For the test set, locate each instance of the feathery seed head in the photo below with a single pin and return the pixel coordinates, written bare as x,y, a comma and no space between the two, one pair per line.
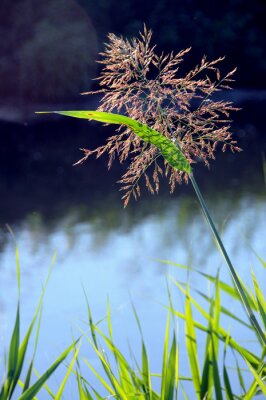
147,87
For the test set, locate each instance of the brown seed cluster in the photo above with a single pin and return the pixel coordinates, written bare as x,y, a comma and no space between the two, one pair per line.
147,87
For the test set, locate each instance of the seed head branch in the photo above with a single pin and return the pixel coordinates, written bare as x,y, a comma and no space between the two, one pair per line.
147,87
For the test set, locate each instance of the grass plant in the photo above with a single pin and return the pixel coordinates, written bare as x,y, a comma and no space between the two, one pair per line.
226,368
175,119
175,158
163,123
211,376
17,381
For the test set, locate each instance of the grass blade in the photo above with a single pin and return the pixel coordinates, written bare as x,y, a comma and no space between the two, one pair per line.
11,380
168,149
146,376
258,379
227,385
253,359
100,378
28,376
216,377
69,370
24,345
230,290
172,372
239,374
260,300
191,345
45,386
145,370
234,276
165,357
125,387
82,394
207,378
34,389
18,270
225,311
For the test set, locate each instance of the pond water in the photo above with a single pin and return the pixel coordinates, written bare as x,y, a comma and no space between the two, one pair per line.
111,252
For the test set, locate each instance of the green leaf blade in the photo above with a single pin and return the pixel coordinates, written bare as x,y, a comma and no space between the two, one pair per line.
34,389
191,344
13,355
168,149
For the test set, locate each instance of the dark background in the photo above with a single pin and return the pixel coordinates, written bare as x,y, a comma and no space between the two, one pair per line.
234,28
47,57
48,48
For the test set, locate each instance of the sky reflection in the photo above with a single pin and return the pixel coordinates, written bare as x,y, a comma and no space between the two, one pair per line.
121,264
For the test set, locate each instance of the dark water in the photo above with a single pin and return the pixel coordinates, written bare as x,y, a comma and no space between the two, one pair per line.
111,251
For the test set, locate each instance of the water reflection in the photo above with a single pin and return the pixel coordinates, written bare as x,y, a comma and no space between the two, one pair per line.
156,223
114,254
112,251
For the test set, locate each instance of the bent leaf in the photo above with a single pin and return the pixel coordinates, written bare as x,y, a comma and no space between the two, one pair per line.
168,149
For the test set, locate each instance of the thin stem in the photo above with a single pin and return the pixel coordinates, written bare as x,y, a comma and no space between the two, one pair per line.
233,273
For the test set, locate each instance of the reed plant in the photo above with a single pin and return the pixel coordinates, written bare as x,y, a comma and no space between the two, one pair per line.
171,122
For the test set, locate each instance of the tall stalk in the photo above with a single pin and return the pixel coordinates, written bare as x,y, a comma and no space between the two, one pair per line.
233,273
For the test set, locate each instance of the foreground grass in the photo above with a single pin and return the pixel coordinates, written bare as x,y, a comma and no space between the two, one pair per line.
209,379
211,376
12,386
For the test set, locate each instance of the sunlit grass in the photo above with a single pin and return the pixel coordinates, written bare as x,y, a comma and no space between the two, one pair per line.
17,381
211,377
222,368
161,121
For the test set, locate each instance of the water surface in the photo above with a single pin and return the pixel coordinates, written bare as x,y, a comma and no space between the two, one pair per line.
111,252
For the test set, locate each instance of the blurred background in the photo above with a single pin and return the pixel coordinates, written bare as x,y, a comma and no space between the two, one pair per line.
48,53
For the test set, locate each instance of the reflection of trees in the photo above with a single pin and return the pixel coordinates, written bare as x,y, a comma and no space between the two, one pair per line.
40,190
42,202
174,221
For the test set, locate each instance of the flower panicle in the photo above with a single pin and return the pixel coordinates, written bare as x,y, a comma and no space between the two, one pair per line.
147,87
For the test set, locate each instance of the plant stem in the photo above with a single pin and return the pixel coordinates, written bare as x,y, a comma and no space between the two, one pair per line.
233,273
